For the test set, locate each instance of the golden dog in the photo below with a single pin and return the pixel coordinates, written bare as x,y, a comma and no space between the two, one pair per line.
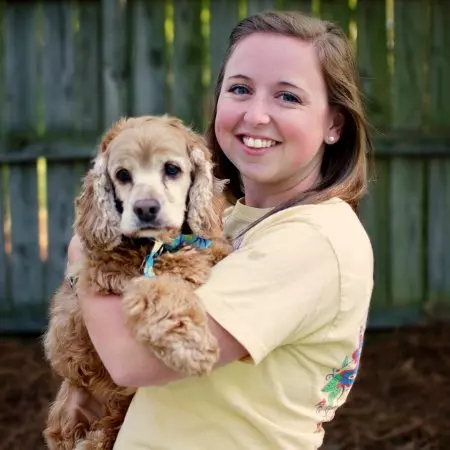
152,180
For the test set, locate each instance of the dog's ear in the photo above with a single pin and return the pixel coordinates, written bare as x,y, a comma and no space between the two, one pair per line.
206,201
97,221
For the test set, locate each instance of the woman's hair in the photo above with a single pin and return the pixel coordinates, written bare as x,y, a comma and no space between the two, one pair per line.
344,164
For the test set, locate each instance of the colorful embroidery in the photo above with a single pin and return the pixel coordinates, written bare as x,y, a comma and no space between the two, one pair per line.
339,383
159,248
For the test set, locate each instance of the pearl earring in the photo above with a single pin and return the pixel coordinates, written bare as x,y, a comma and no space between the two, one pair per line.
330,139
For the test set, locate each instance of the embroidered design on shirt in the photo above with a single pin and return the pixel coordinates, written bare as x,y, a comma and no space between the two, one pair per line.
339,383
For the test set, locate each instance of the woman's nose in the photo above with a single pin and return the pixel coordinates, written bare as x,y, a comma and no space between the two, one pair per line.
257,112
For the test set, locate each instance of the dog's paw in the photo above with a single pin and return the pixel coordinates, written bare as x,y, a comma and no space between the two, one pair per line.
95,440
189,264
165,313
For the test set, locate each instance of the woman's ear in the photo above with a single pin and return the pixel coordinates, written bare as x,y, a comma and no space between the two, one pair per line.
97,221
335,127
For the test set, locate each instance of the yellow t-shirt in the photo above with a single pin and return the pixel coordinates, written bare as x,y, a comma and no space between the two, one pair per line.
295,292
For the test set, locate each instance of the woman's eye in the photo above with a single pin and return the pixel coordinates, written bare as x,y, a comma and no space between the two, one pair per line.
239,90
289,98
124,176
171,170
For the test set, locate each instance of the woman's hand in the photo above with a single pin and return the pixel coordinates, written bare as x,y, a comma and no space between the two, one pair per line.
83,406
75,250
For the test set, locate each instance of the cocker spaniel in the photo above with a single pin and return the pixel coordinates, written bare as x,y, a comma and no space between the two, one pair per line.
150,188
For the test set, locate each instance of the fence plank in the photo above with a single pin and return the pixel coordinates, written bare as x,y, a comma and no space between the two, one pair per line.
58,66
188,56
373,61
63,182
407,199
26,267
23,56
62,42
88,116
22,73
115,60
337,11
224,16
438,231
256,6
439,171
5,296
407,232
149,58
304,6
439,78
410,50
375,217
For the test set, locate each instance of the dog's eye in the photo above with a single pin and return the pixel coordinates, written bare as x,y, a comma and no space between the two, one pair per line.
171,170
123,176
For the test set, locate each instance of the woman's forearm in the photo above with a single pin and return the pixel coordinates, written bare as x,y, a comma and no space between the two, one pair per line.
128,362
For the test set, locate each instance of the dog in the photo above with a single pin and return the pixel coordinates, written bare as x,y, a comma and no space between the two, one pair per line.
151,185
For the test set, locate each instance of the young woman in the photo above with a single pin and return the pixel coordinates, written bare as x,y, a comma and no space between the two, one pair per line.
289,305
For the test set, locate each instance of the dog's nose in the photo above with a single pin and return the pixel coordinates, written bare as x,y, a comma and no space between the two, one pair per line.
147,210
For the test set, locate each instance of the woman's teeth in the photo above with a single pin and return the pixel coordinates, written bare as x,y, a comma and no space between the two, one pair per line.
258,143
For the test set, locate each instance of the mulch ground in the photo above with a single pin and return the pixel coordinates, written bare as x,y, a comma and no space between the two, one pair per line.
401,399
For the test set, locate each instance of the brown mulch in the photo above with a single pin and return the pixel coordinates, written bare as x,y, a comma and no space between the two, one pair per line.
401,399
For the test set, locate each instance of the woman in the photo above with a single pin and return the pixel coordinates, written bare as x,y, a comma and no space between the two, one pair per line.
289,305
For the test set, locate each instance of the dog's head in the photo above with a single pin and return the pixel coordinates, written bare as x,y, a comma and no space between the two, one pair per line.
152,176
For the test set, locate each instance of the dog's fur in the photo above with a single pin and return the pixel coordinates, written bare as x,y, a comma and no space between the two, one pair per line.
162,312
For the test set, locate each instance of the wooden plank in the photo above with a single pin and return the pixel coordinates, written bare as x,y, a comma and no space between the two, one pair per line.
256,6
88,116
304,6
337,11
115,61
58,66
189,52
410,58
23,58
438,292
406,211
374,212
439,76
149,59
26,266
438,235
4,260
63,183
373,62
224,17
407,196
22,72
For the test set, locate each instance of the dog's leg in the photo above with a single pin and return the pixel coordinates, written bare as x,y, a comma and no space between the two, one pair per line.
165,313
65,425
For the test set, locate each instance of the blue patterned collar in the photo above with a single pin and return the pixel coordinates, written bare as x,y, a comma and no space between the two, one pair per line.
159,248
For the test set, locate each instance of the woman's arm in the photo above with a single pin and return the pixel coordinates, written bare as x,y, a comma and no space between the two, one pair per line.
129,362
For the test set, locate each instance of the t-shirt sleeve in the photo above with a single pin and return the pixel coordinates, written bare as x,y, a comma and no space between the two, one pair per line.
281,283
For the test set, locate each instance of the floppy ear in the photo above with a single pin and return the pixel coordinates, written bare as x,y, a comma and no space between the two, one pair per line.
206,202
97,220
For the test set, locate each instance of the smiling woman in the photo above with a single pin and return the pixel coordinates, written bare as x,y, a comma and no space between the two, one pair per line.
291,301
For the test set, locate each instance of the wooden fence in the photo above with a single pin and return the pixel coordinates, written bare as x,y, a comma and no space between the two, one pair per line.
70,68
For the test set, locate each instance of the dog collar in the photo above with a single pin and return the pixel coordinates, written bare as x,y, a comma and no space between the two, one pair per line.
159,248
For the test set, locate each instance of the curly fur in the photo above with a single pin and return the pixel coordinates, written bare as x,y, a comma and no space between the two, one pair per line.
163,312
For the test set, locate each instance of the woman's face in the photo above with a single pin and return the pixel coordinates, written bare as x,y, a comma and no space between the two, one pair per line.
273,114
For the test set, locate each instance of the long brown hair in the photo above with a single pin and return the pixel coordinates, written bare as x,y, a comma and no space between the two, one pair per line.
344,165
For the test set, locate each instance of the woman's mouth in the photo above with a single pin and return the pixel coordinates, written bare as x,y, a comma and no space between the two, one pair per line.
257,144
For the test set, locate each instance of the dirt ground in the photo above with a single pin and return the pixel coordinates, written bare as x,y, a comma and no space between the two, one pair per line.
401,399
